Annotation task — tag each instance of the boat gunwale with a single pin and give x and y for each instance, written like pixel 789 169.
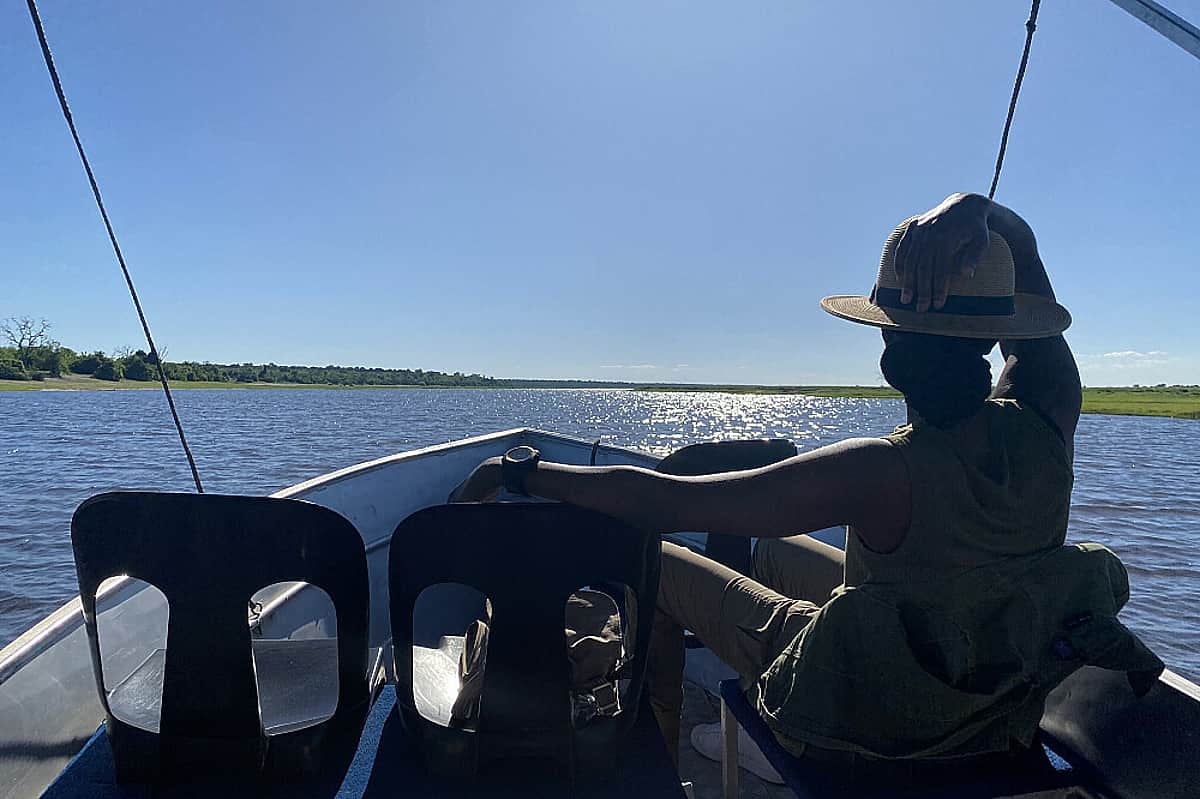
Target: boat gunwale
pixel 346 472
pixel 1181 684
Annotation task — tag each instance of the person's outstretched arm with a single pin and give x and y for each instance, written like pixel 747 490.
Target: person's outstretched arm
pixel 860 482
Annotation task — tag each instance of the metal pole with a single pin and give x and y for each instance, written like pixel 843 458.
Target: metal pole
pixel 1166 22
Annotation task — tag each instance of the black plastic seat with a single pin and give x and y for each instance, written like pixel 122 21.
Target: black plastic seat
pixel 712 457
pixel 1039 771
pixel 208 554
pixel 527 558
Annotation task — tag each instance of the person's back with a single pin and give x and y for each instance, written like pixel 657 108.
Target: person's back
pixel 939 648
pixel 999 488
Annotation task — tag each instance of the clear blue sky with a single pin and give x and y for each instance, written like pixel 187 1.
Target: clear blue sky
pixel 645 191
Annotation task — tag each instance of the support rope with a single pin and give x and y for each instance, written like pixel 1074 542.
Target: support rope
pixel 1030 27
pixel 112 237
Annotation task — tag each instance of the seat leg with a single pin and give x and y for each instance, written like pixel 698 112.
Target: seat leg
pixel 729 752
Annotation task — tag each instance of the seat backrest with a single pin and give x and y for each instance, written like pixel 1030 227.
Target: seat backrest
pixel 712 457
pixel 208 554
pixel 1132 746
pixel 527 558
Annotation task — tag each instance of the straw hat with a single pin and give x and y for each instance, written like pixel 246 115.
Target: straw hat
pixel 981 306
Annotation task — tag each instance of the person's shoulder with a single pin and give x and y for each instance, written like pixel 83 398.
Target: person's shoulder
pixel 858 464
pixel 857 449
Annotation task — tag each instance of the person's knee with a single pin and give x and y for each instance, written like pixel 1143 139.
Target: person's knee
pixel 673 584
pixel 668 575
pixel 799 567
pixel 765 559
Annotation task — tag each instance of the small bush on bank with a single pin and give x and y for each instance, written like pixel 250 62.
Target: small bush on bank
pixel 108 370
pixel 13 370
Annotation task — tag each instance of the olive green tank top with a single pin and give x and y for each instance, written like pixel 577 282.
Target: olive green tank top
pixel 948 645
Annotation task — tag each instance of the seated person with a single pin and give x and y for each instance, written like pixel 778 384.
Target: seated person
pixel 956 607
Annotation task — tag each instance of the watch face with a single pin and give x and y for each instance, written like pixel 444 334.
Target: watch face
pixel 521 454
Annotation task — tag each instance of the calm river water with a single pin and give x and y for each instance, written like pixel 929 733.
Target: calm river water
pixel 1135 489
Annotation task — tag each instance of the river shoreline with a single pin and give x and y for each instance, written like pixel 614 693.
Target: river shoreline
pixel 1178 402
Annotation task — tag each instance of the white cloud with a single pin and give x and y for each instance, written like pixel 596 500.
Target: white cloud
pixel 1147 367
pixel 629 366
pixel 1125 354
pixel 1128 359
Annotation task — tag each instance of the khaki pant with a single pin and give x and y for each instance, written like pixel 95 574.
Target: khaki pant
pixel 745 622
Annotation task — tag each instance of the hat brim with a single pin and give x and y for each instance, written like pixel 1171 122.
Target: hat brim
pixel 1034 317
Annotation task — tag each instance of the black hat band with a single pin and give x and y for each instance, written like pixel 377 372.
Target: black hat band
pixel 955 304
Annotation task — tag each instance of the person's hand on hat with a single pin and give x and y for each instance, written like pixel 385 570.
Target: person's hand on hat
pixel 939 244
pixel 968 268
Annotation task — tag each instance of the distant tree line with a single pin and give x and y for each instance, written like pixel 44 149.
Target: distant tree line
pixel 31 354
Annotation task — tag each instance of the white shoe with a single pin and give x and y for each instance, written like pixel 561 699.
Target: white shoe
pixel 706 740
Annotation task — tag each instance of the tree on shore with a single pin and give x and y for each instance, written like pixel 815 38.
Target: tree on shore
pixel 88 364
pixel 33 355
pixel 109 370
pixel 37 354
pixel 12 369
pixel 23 333
pixel 137 366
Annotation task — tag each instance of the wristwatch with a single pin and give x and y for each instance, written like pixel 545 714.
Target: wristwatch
pixel 516 465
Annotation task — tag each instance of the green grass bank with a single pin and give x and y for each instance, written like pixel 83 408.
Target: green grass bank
pixel 1181 402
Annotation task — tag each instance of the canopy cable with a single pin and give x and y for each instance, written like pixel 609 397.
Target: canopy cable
pixel 112 237
pixel 1030 27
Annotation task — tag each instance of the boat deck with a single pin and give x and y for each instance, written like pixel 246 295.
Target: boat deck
pixel 384 765
pixel 700 707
